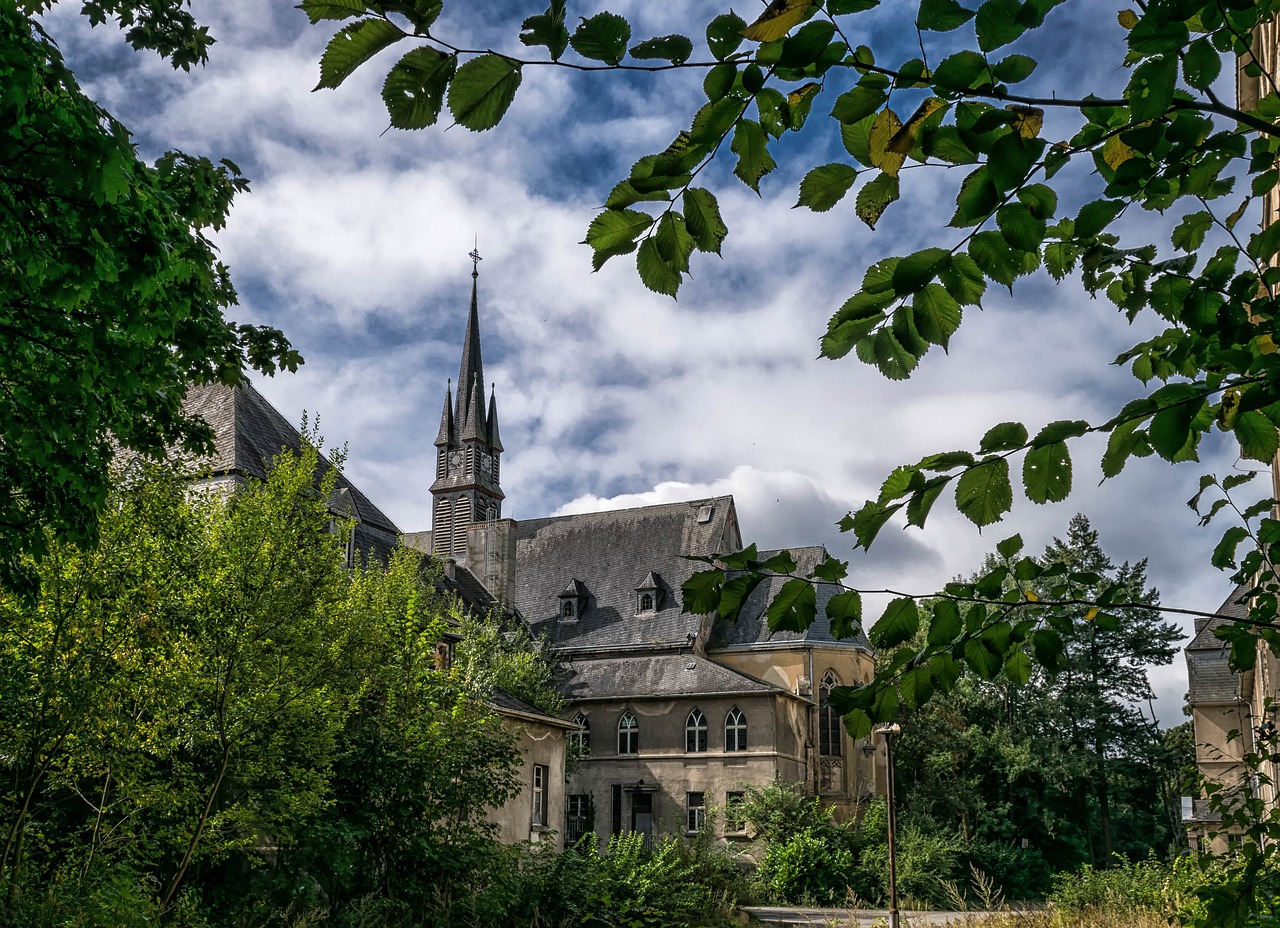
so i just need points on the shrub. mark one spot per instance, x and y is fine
(1019, 873)
(811, 866)
(1145, 884)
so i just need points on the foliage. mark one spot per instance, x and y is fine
(112, 299)
(499, 652)
(778, 810)
(810, 867)
(208, 716)
(1129, 886)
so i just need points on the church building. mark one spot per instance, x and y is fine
(674, 715)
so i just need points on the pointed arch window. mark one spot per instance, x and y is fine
(567, 609)
(829, 723)
(735, 730)
(695, 733)
(580, 737)
(628, 734)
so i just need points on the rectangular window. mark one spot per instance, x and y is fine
(577, 817)
(697, 809)
(539, 794)
(733, 821)
(617, 809)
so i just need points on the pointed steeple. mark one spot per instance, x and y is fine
(446, 436)
(494, 441)
(471, 371)
(475, 427)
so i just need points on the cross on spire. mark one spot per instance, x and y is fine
(475, 259)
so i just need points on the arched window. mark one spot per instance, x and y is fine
(695, 732)
(628, 734)
(735, 730)
(566, 609)
(580, 737)
(829, 724)
(646, 602)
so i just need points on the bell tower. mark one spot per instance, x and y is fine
(466, 489)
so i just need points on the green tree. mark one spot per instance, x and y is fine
(497, 651)
(112, 299)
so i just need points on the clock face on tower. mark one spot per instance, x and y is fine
(455, 461)
(486, 464)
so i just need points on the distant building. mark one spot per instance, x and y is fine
(674, 714)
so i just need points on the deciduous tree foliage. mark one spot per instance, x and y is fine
(208, 707)
(112, 299)
(1167, 145)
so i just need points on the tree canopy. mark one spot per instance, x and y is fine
(112, 299)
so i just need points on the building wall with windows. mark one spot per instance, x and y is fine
(537, 812)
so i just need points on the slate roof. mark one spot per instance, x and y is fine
(752, 628)
(660, 676)
(1210, 681)
(466, 585)
(249, 432)
(611, 553)
(504, 702)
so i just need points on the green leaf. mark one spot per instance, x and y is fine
(984, 493)
(946, 625)
(807, 43)
(998, 261)
(657, 273)
(1060, 431)
(673, 48)
(1224, 553)
(603, 37)
(794, 608)
(1096, 216)
(998, 23)
(1171, 427)
(856, 138)
(1007, 436)
(702, 218)
(898, 624)
(1040, 199)
(824, 186)
(700, 594)
(754, 160)
(415, 87)
(917, 269)
(548, 30)
(964, 280)
(975, 201)
(1201, 64)
(715, 119)
(1120, 447)
(936, 314)
(874, 198)
(867, 521)
(719, 81)
(857, 103)
(318, 10)
(1020, 227)
(984, 663)
(615, 227)
(1150, 90)
(482, 91)
(942, 15)
(1259, 440)
(960, 71)
(724, 35)
(1013, 69)
(1156, 32)
(922, 501)
(1188, 235)
(1046, 473)
(353, 46)
(844, 610)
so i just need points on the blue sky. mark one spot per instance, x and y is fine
(355, 240)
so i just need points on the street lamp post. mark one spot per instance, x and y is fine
(888, 732)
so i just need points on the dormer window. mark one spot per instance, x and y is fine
(572, 601)
(648, 593)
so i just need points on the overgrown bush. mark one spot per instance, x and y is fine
(813, 866)
(1144, 884)
(1020, 874)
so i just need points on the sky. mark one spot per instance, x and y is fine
(354, 240)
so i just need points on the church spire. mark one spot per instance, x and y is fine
(446, 435)
(471, 371)
(494, 441)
